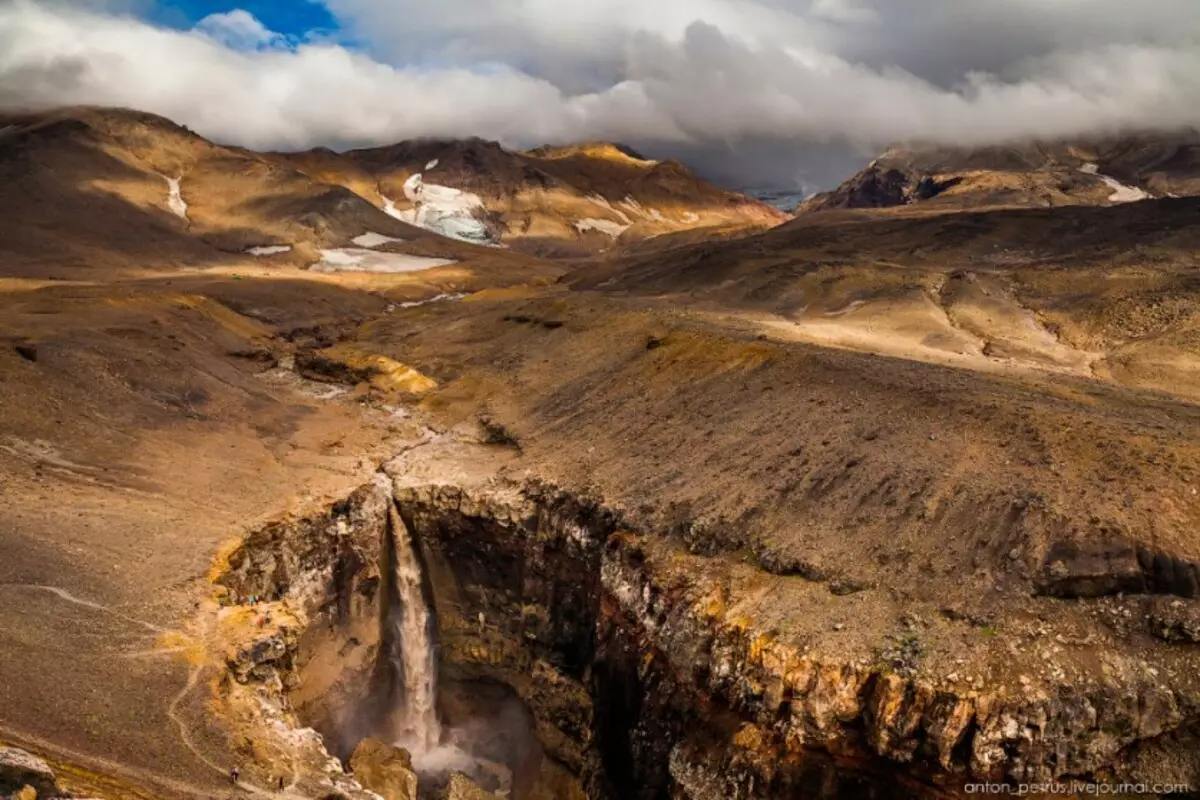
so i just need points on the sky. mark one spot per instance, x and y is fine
(295, 18)
(750, 92)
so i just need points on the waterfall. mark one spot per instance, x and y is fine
(413, 657)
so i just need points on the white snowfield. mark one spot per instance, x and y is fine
(606, 226)
(1122, 193)
(365, 259)
(175, 200)
(357, 259)
(431, 165)
(442, 209)
(370, 239)
(269, 250)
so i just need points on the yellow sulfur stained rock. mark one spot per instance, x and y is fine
(347, 364)
(384, 769)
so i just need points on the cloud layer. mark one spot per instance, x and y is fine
(705, 76)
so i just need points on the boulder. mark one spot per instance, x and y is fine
(20, 770)
(384, 769)
(1094, 567)
(461, 787)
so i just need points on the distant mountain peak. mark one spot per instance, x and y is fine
(1031, 174)
(611, 151)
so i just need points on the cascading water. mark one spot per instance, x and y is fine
(414, 662)
(412, 652)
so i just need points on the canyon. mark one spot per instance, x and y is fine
(640, 668)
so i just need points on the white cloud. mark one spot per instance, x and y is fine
(238, 30)
(702, 73)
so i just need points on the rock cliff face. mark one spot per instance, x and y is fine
(645, 675)
(329, 569)
(516, 584)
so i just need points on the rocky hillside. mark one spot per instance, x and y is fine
(90, 192)
(1106, 292)
(556, 201)
(1037, 174)
(101, 188)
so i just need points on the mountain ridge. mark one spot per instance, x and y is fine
(141, 188)
(565, 201)
(1081, 171)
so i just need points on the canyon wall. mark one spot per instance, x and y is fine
(640, 671)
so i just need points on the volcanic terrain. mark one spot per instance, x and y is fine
(877, 502)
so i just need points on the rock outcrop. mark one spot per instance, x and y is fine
(461, 787)
(26, 776)
(384, 769)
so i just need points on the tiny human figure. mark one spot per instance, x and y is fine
(234, 773)
(281, 783)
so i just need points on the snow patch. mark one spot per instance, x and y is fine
(631, 203)
(603, 201)
(442, 209)
(370, 239)
(607, 226)
(657, 215)
(846, 309)
(431, 165)
(441, 298)
(1122, 193)
(354, 259)
(175, 200)
(690, 217)
(600, 200)
(269, 250)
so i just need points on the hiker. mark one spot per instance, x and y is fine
(281, 783)
(234, 774)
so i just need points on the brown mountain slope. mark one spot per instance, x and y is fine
(559, 201)
(98, 189)
(1106, 292)
(1036, 174)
